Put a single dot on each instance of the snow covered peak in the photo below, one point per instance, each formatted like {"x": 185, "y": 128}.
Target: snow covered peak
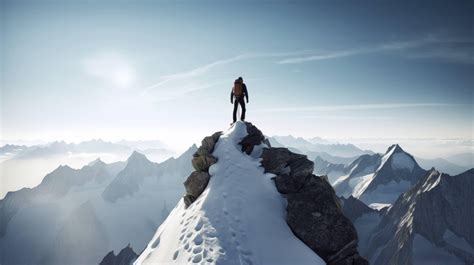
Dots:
{"x": 238, "y": 219}
{"x": 395, "y": 148}
{"x": 398, "y": 159}
{"x": 380, "y": 179}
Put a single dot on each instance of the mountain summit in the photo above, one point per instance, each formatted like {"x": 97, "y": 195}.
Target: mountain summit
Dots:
{"x": 248, "y": 203}
{"x": 380, "y": 178}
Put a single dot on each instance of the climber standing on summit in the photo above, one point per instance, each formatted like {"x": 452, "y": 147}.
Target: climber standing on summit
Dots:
{"x": 239, "y": 91}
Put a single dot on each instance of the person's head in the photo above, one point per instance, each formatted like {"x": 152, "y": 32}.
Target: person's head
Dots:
{"x": 240, "y": 79}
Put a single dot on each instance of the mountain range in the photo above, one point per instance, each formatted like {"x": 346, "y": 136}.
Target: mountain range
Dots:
{"x": 429, "y": 224}
{"x": 76, "y": 216}
{"x": 403, "y": 214}
{"x": 25, "y": 166}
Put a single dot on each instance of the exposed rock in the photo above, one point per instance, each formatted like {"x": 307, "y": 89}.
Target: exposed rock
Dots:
{"x": 203, "y": 162}
{"x": 439, "y": 205}
{"x": 196, "y": 183}
{"x": 301, "y": 168}
{"x": 315, "y": 217}
{"x": 126, "y": 256}
{"x": 207, "y": 144}
{"x": 285, "y": 184}
{"x": 325, "y": 177}
{"x": 188, "y": 199}
{"x": 275, "y": 160}
{"x": 354, "y": 208}
{"x": 267, "y": 142}
{"x": 254, "y": 137}
{"x": 314, "y": 212}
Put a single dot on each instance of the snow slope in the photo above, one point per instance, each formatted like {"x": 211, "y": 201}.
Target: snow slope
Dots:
{"x": 380, "y": 179}
{"x": 238, "y": 219}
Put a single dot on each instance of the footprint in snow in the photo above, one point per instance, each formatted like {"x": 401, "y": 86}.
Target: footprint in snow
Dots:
{"x": 197, "y": 258}
{"x": 156, "y": 243}
{"x": 198, "y": 240}
{"x": 176, "y": 254}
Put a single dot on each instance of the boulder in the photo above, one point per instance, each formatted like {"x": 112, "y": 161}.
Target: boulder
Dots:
{"x": 195, "y": 184}
{"x": 254, "y": 137}
{"x": 286, "y": 184}
{"x": 203, "y": 162}
{"x": 276, "y": 160}
{"x": 315, "y": 216}
{"x": 301, "y": 168}
{"x": 188, "y": 199}
{"x": 207, "y": 144}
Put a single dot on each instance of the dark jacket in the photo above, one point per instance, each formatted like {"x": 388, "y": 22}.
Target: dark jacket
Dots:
{"x": 244, "y": 90}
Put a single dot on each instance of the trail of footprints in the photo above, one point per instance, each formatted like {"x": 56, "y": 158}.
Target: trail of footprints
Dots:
{"x": 201, "y": 245}
{"x": 197, "y": 243}
{"x": 238, "y": 234}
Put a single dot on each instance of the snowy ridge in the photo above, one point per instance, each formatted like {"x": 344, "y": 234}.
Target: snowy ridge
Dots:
{"x": 428, "y": 224}
{"x": 380, "y": 179}
{"x": 238, "y": 219}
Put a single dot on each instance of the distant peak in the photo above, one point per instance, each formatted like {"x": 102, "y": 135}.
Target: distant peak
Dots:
{"x": 136, "y": 156}
{"x": 395, "y": 148}
{"x": 96, "y": 162}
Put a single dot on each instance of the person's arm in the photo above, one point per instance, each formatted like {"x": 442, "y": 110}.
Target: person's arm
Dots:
{"x": 246, "y": 93}
{"x": 231, "y": 96}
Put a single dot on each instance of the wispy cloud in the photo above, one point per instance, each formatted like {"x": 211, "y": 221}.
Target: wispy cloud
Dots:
{"x": 329, "y": 108}
{"x": 429, "y": 43}
{"x": 202, "y": 70}
{"x": 177, "y": 92}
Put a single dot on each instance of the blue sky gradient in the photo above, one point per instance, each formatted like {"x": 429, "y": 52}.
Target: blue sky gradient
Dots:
{"x": 77, "y": 70}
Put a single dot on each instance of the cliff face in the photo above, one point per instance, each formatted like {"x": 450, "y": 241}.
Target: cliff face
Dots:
{"x": 428, "y": 222}
{"x": 250, "y": 203}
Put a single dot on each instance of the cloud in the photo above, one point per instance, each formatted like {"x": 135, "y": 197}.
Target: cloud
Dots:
{"x": 329, "y": 108}
{"x": 179, "y": 91}
{"x": 110, "y": 68}
{"x": 202, "y": 70}
{"x": 430, "y": 46}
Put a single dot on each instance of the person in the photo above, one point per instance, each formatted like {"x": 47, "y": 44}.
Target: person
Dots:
{"x": 237, "y": 94}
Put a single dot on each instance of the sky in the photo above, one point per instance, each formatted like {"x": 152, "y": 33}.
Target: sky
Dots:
{"x": 140, "y": 70}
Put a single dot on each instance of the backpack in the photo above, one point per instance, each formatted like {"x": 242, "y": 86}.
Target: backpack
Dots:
{"x": 238, "y": 90}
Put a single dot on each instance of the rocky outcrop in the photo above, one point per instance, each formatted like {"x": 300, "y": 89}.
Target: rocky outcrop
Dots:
{"x": 313, "y": 212}
{"x": 126, "y": 256}
{"x": 254, "y": 137}
{"x": 202, "y": 160}
{"x": 195, "y": 185}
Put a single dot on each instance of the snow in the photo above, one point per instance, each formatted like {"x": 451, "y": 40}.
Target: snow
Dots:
{"x": 429, "y": 185}
{"x": 402, "y": 161}
{"x": 239, "y": 218}
{"x": 386, "y": 157}
{"x": 385, "y": 194}
{"x": 361, "y": 184}
{"x": 379, "y": 206}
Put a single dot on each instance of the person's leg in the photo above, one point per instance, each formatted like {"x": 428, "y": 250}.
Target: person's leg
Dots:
{"x": 242, "y": 104}
{"x": 236, "y": 104}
